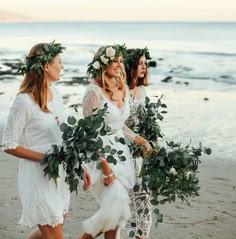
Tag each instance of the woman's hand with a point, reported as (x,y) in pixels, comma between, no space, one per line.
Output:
(87,180)
(107,180)
(107,174)
(141,141)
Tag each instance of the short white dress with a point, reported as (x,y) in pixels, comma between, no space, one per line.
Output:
(114,199)
(43,201)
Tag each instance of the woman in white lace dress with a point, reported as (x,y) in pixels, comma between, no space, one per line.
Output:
(32,127)
(137,80)
(108,87)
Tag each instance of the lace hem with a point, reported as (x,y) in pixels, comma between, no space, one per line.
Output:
(44,210)
(44,148)
(8,141)
(52,221)
(8,146)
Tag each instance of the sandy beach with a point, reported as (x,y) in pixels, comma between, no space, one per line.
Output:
(196,112)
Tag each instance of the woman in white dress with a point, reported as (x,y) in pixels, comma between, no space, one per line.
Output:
(32,127)
(111,191)
(137,80)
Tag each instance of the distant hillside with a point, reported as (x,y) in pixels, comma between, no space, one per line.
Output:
(7,16)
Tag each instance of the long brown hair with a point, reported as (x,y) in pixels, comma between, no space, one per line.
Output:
(35,83)
(131,67)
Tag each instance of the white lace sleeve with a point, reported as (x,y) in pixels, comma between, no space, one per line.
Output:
(129,134)
(19,115)
(91,101)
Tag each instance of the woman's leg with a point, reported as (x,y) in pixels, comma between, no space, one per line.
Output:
(88,236)
(49,232)
(110,234)
(35,234)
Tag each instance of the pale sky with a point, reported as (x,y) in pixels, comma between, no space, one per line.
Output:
(124,10)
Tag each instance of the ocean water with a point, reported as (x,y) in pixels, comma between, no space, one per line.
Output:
(201,57)
(204,51)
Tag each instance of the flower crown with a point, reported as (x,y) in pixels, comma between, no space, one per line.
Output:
(137,53)
(107,56)
(37,62)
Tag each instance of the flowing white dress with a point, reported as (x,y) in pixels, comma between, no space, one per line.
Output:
(140,200)
(113,199)
(43,201)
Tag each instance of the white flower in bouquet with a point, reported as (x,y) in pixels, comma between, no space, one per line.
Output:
(188,174)
(110,52)
(96,65)
(173,171)
(104,59)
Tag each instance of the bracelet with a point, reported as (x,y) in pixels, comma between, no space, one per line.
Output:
(107,176)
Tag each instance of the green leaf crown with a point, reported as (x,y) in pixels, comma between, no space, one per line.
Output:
(37,62)
(107,56)
(137,53)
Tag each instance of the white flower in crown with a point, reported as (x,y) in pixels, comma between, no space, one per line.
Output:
(173,171)
(104,59)
(110,52)
(188,174)
(96,65)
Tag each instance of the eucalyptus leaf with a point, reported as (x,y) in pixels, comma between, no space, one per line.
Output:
(136,188)
(71,120)
(82,143)
(169,172)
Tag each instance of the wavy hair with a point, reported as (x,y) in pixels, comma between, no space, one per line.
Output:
(34,82)
(101,77)
(131,67)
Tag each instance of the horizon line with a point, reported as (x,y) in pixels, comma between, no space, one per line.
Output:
(118,21)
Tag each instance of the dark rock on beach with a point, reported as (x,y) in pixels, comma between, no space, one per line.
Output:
(11,67)
(75,106)
(7,77)
(84,80)
(179,82)
(8,72)
(152,64)
(167,79)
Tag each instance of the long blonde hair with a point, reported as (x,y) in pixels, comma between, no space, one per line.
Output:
(101,77)
(35,83)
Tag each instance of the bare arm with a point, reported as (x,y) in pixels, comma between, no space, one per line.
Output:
(25,153)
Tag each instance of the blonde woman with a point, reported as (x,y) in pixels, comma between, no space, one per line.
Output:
(111,191)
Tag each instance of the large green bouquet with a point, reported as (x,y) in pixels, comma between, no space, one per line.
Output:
(169,171)
(82,143)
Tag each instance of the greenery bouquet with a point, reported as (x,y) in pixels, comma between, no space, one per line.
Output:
(168,171)
(82,143)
